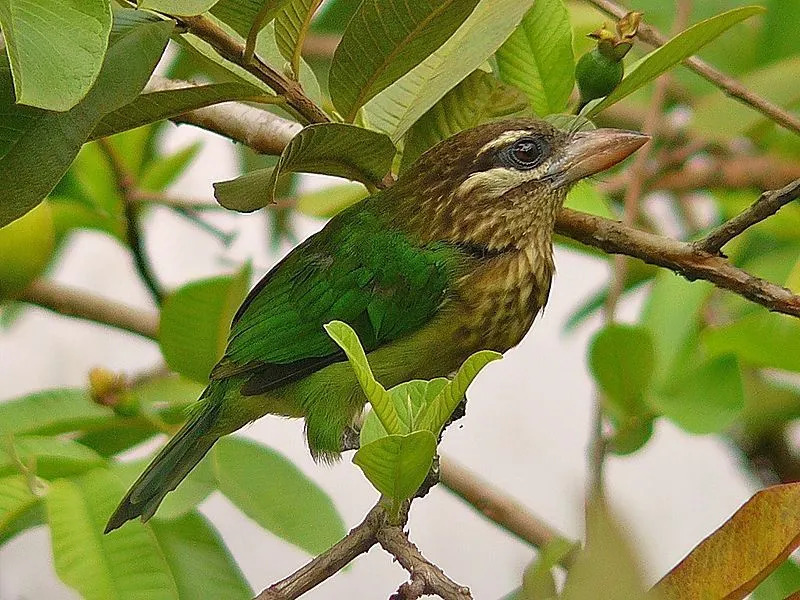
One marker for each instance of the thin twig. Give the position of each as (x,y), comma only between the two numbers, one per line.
(360,539)
(730,86)
(395,542)
(767,205)
(84,305)
(233,50)
(497,506)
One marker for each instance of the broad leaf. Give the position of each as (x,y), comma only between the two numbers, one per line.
(56,48)
(327,202)
(195,321)
(621,358)
(478,99)
(734,559)
(537,58)
(103,567)
(38,146)
(26,246)
(291,27)
(384,40)
(674,51)
(157,106)
(48,457)
(378,397)
(707,399)
(15,498)
(51,412)
(397,464)
(398,107)
(537,581)
(184,8)
(438,411)
(269,489)
(241,15)
(327,148)
(200,563)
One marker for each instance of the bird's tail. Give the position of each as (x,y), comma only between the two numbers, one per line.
(172,464)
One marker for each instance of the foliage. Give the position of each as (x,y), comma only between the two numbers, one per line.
(79,150)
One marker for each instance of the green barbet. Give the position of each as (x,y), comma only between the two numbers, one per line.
(454,258)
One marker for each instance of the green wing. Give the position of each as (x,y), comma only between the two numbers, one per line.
(354,270)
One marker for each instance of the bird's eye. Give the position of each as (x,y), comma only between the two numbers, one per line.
(526,153)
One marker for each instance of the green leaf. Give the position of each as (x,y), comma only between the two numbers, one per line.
(16,497)
(183,8)
(781,583)
(397,464)
(195,321)
(398,107)
(198,559)
(27,246)
(760,339)
(163,171)
(674,51)
(537,581)
(622,359)
(378,397)
(30,516)
(438,411)
(329,201)
(291,28)
(707,399)
(47,457)
(38,146)
(327,148)
(240,15)
(51,412)
(157,106)
(269,489)
(55,47)
(537,58)
(122,565)
(384,40)
(478,99)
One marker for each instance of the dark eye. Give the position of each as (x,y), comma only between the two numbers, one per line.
(526,153)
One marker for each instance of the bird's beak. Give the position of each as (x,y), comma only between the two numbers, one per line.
(589,152)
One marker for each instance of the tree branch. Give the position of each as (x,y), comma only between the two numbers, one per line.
(360,539)
(730,86)
(233,50)
(768,204)
(494,504)
(681,257)
(432,578)
(83,305)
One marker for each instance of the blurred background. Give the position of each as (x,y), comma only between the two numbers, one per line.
(529,417)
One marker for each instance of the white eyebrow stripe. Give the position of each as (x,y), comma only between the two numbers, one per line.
(507,138)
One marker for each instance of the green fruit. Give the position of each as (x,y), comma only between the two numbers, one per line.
(597,75)
(26,246)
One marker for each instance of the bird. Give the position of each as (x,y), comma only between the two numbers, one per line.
(454,258)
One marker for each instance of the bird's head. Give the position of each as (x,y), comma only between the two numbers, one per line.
(495,184)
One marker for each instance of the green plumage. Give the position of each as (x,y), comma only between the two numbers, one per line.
(454,258)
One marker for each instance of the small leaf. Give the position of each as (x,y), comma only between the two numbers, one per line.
(163,171)
(15,498)
(151,107)
(269,489)
(183,8)
(398,107)
(200,563)
(621,358)
(195,320)
(707,399)
(55,47)
(397,464)
(537,58)
(327,148)
(329,201)
(384,40)
(51,412)
(378,397)
(99,567)
(674,51)
(291,28)
(537,581)
(734,559)
(48,457)
(442,406)
(38,146)
(478,99)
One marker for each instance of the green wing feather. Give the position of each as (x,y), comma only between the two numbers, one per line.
(355,270)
